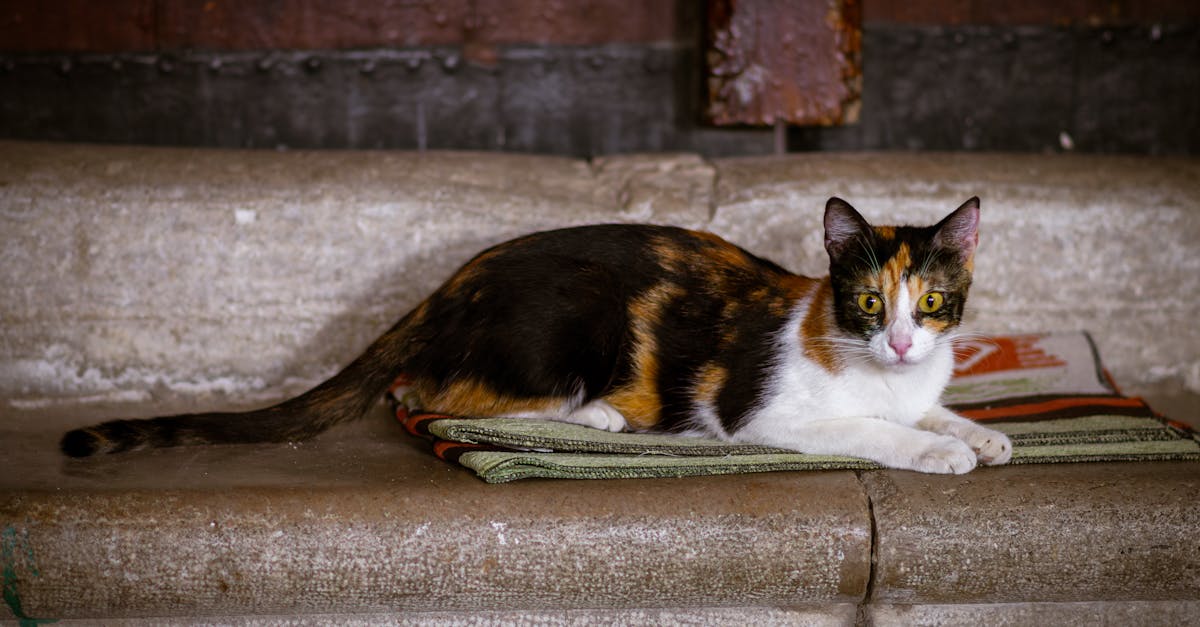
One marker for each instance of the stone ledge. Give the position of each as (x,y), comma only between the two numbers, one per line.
(1014,614)
(1002,615)
(364,519)
(130,268)
(1038,533)
(834,616)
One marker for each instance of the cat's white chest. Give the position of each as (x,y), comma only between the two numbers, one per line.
(803,390)
(902,396)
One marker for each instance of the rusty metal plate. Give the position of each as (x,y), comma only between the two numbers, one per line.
(789,61)
(77,25)
(211,25)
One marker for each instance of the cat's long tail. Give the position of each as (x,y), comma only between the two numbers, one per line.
(345,396)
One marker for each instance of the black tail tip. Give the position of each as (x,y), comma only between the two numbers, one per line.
(79,443)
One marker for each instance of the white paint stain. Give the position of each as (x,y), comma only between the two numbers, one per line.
(245,216)
(500,528)
(76,382)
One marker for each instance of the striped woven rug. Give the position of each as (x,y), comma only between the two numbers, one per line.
(1048,392)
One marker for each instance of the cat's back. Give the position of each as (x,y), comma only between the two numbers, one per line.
(592,309)
(631,251)
(634,314)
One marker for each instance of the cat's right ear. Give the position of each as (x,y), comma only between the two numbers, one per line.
(959,231)
(843,227)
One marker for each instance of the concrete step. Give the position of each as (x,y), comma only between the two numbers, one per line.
(143,281)
(364,519)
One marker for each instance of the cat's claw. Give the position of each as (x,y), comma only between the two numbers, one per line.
(946,455)
(991,447)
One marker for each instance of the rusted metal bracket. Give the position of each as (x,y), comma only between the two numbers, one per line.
(775,62)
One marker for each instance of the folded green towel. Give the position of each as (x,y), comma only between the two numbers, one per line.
(1048,393)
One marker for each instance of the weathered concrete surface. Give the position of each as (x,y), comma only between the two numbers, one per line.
(126,270)
(136,282)
(837,616)
(1141,613)
(1065,533)
(364,519)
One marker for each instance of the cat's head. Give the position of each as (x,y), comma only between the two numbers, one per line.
(898,291)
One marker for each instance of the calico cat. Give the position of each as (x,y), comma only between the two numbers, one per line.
(661,329)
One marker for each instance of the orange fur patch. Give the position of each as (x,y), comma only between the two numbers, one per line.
(895,268)
(886,232)
(777,304)
(638,400)
(670,257)
(721,251)
(916,287)
(816,326)
(709,383)
(892,278)
(640,405)
(471,397)
(419,315)
(937,325)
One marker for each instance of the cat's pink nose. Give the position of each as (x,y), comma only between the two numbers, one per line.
(900,344)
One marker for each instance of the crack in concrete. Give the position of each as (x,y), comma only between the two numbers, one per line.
(862,615)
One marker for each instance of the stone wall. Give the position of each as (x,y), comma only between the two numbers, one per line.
(129,273)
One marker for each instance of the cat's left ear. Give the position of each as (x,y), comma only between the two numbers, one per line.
(959,231)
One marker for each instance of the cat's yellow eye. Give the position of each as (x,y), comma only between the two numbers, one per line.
(870,303)
(931,302)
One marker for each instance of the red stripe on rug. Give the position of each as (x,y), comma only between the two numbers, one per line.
(1051,406)
(451,451)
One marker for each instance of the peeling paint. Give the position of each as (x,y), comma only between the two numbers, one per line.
(797,62)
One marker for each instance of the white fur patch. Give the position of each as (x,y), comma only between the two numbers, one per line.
(866,409)
(704,420)
(900,394)
(598,414)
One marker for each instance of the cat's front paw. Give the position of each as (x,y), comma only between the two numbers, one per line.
(992,447)
(945,455)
